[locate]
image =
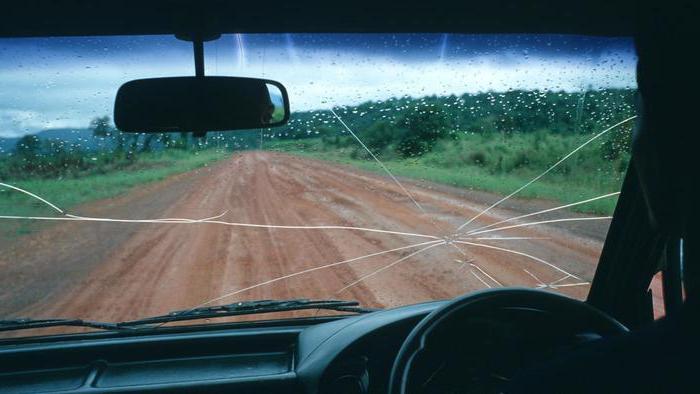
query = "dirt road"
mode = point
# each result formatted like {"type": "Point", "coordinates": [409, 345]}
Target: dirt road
{"type": "Point", "coordinates": [118, 271]}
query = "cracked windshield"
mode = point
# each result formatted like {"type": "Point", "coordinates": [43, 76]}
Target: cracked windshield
{"type": "Point", "coordinates": [414, 167]}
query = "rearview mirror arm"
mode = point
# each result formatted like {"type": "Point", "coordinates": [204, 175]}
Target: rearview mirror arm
{"type": "Point", "coordinates": [198, 47]}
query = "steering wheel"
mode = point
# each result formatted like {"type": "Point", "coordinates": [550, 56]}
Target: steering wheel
{"type": "Point", "coordinates": [491, 334]}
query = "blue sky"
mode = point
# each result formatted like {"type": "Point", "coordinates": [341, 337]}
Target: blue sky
{"type": "Point", "coordinates": [64, 82]}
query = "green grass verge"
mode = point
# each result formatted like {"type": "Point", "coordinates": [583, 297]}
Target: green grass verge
{"type": "Point", "coordinates": [69, 192]}
{"type": "Point", "coordinates": [563, 188]}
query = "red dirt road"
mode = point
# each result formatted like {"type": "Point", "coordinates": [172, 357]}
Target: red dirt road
{"type": "Point", "coordinates": [119, 271]}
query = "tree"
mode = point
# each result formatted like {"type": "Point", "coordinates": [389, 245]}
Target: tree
{"type": "Point", "coordinates": [380, 135]}
{"type": "Point", "coordinates": [101, 126]}
{"type": "Point", "coordinates": [28, 146]}
{"type": "Point", "coordinates": [422, 130]}
{"type": "Point", "coordinates": [183, 141]}
{"type": "Point", "coordinates": [146, 147]}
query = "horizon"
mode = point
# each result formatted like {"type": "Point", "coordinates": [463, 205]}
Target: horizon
{"type": "Point", "coordinates": [50, 83]}
{"type": "Point", "coordinates": [87, 126]}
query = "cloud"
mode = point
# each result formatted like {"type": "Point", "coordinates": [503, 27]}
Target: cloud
{"type": "Point", "coordinates": [66, 88]}
{"type": "Point", "coordinates": [330, 78]}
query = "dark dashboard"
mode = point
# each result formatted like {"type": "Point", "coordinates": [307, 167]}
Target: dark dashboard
{"type": "Point", "coordinates": [476, 341]}
{"type": "Point", "coordinates": [327, 357]}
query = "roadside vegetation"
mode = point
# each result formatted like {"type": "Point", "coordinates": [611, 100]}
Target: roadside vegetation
{"type": "Point", "coordinates": [98, 150]}
{"type": "Point", "coordinates": [489, 142]}
{"type": "Point", "coordinates": [493, 142]}
{"type": "Point", "coordinates": [70, 191]}
{"type": "Point", "coordinates": [73, 173]}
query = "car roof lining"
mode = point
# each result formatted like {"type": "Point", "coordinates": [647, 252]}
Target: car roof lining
{"type": "Point", "coordinates": [35, 18]}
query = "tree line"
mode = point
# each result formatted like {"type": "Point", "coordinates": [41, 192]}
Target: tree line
{"type": "Point", "coordinates": [404, 127]}
{"type": "Point", "coordinates": [411, 127]}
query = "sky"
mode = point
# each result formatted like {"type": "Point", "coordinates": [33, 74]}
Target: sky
{"type": "Point", "coordinates": [66, 81]}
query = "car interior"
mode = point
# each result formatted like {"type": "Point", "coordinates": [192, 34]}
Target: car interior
{"type": "Point", "coordinates": [497, 340]}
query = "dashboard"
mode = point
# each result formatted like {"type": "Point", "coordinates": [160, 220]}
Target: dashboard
{"type": "Point", "coordinates": [481, 346]}
{"type": "Point", "coordinates": [303, 357]}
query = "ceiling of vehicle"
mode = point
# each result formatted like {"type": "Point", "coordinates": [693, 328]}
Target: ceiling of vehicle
{"type": "Point", "coordinates": [104, 17]}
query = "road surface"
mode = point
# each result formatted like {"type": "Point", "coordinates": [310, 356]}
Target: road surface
{"type": "Point", "coordinates": [118, 271]}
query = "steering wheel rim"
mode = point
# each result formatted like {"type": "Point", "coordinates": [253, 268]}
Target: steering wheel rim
{"type": "Point", "coordinates": [497, 298]}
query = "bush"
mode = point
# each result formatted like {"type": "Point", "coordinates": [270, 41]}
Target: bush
{"type": "Point", "coordinates": [421, 130]}
{"type": "Point", "coordinates": [477, 158]}
{"type": "Point", "coordinates": [380, 135]}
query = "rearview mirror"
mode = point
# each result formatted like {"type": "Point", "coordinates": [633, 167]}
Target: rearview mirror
{"type": "Point", "coordinates": [200, 104]}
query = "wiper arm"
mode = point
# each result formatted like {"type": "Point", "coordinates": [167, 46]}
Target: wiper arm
{"type": "Point", "coordinates": [249, 308]}
{"type": "Point", "coordinates": [235, 309]}
{"type": "Point", "coordinates": [27, 323]}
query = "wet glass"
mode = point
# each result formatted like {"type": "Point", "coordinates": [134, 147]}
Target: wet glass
{"type": "Point", "coordinates": [414, 167]}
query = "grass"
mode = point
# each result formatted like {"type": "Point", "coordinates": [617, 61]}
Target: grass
{"type": "Point", "coordinates": [69, 192]}
{"type": "Point", "coordinates": [449, 164]}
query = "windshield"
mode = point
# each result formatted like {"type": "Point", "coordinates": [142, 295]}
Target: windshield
{"type": "Point", "coordinates": [415, 167]}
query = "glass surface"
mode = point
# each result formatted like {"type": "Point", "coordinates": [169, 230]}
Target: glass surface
{"type": "Point", "coordinates": [414, 167]}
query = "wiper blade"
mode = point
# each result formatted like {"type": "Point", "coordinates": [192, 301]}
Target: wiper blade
{"type": "Point", "coordinates": [235, 309]}
{"type": "Point", "coordinates": [28, 323]}
{"type": "Point", "coordinates": [249, 308]}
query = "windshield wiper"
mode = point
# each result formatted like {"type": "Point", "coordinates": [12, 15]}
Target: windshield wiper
{"type": "Point", "coordinates": [235, 309]}
{"type": "Point", "coordinates": [249, 308]}
{"type": "Point", "coordinates": [28, 323]}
